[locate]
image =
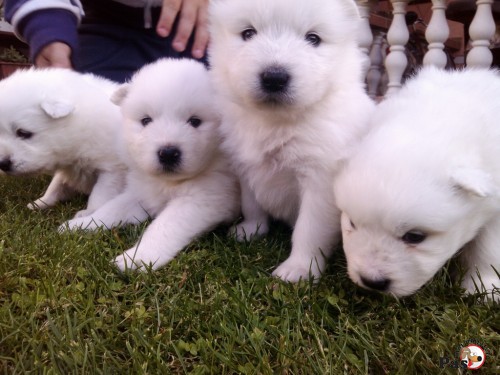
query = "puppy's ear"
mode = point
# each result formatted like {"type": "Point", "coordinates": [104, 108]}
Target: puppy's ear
{"type": "Point", "coordinates": [57, 108]}
{"type": "Point", "coordinates": [120, 94]}
{"type": "Point", "coordinates": [474, 181]}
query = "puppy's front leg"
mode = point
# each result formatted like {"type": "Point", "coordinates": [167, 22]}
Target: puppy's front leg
{"type": "Point", "coordinates": [123, 209]}
{"type": "Point", "coordinates": [255, 219]}
{"type": "Point", "coordinates": [107, 186]}
{"type": "Point", "coordinates": [183, 220]}
{"type": "Point", "coordinates": [57, 191]}
{"type": "Point", "coordinates": [482, 256]}
{"type": "Point", "coordinates": [316, 231]}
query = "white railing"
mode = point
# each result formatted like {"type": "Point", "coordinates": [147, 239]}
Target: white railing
{"type": "Point", "coordinates": [394, 63]}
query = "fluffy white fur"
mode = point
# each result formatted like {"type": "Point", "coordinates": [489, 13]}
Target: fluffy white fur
{"type": "Point", "coordinates": [177, 173]}
{"type": "Point", "coordinates": [56, 121]}
{"type": "Point", "coordinates": [425, 184]}
{"type": "Point", "coordinates": [286, 142]}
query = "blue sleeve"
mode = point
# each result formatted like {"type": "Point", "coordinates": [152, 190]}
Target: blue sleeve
{"type": "Point", "coordinates": [11, 7]}
{"type": "Point", "coordinates": [42, 22]}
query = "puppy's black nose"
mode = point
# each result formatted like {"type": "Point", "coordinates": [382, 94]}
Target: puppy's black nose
{"type": "Point", "coordinates": [274, 79]}
{"type": "Point", "coordinates": [377, 284]}
{"type": "Point", "coordinates": [169, 157]}
{"type": "Point", "coordinates": [6, 165]}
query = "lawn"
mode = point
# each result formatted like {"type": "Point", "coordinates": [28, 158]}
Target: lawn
{"type": "Point", "coordinates": [215, 309]}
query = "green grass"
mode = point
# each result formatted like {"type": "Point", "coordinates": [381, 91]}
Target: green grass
{"type": "Point", "coordinates": [215, 309]}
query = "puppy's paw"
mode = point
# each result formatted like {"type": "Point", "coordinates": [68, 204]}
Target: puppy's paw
{"type": "Point", "coordinates": [248, 230]}
{"type": "Point", "coordinates": [82, 223]}
{"type": "Point", "coordinates": [296, 269]}
{"type": "Point", "coordinates": [38, 205]}
{"type": "Point", "coordinates": [127, 262]}
{"type": "Point", "coordinates": [136, 260]}
{"type": "Point", "coordinates": [83, 213]}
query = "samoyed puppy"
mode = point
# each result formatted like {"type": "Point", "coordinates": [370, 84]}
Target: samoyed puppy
{"type": "Point", "coordinates": [425, 184]}
{"type": "Point", "coordinates": [289, 79]}
{"type": "Point", "coordinates": [60, 122]}
{"type": "Point", "coordinates": [178, 175]}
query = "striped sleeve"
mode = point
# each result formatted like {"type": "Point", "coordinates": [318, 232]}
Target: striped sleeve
{"type": "Point", "coordinates": [41, 22]}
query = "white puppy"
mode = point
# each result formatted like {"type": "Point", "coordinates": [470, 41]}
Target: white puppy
{"type": "Point", "coordinates": [178, 173]}
{"type": "Point", "coordinates": [57, 121]}
{"type": "Point", "coordinates": [425, 184]}
{"type": "Point", "coordinates": [290, 80]}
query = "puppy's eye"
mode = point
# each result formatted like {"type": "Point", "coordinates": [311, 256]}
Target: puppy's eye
{"type": "Point", "coordinates": [194, 121]}
{"type": "Point", "coordinates": [248, 33]}
{"type": "Point", "coordinates": [146, 120]}
{"type": "Point", "coordinates": [413, 237]}
{"type": "Point", "coordinates": [313, 39]}
{"type": "Point", "coordinates": [23, 134]}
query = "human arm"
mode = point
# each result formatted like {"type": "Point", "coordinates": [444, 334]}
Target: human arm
{"type": "Point", "coordinates": [48, 26]}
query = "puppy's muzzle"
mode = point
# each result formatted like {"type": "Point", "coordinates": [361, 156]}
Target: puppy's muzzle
{"type": "Point", "coordinates": [380, 285]}
{"type": "Point", "coordinates": [6, 165]}
{"type": "Point", "coordinates": [274, 80]}
{"type": "Point", "coordinates": [170, 158]}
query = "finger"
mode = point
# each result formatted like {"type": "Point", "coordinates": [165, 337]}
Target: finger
{"type": "Point", "coordinates": [41, 61]}
{"type": "Point", "coordinates": [60, 61]}
{"type": "Point", "coordinates": [62, 64]}
{"type": "Point", "coordinates": [54, 55]}
{"type": "Point", "coordinates": [201, 34]}
{"type": "Point", "coordinates": [185, 27]}
{"type": "Point", "coordinates": [169, 11]}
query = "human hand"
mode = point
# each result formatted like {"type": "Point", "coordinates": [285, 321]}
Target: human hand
{"type": "Point", "coordinates": [192, 16]}
{"type": "Point", "coordinates": [55, 54]}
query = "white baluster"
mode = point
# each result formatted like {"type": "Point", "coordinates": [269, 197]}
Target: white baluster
{"type": "Point", "coordinates": [365, 33]}
{"type": "Point", "coordinates": [397, 37]}
{"type": "Point", "coordinates": [436, 34]}
{"type": "Point", "coordinates": [481, 31]}
{"type": "Point", "coordinates": [376, 60]}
